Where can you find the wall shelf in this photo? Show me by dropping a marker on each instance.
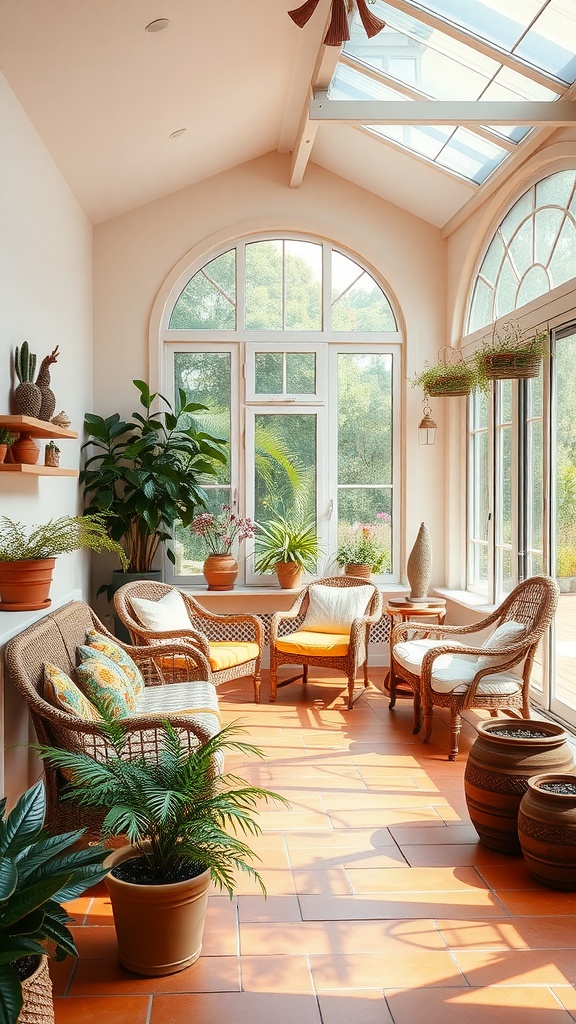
(40, 429)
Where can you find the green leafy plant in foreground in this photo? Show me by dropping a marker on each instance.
(38, 872)
(175, 809)
(20, 543)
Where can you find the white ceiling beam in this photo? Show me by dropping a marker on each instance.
(488, 49)
(324, 68)
(441, 112)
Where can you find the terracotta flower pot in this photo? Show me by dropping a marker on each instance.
(358, 569)
(159, 927)
(3, 450)
(25, 450)
(547, 829)
(505, 754)
(38, 1007)
(289, 575)
(220, 572)
(25, 585)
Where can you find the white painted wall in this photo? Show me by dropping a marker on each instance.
(46, 298)
(134, 253)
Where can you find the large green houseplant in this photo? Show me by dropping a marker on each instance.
(28, 555)
(38, 873)
(175, 809)
(287, 546)
(147, 471)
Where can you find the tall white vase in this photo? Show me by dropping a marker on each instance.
(419, 567)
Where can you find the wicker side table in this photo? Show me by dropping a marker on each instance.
(401, 610)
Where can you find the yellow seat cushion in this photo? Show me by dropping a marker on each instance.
(307, 642)
(224, 654)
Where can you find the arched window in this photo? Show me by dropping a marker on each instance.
(293, 347)
(532, 251)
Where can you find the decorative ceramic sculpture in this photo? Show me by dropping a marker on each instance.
(419, 567)
(61, 420)
(48, 403)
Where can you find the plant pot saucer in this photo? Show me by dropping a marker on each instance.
(23, 606)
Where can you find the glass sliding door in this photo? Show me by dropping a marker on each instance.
(563, 523)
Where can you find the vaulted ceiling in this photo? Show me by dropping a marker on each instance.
(420, 114)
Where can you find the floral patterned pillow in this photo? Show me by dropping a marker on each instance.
(62, 693)
(104, 682)
(102, 643)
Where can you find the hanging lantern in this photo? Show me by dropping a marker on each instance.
(427, 428)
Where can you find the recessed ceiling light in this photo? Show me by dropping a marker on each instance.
(177, 133)
(158, 25)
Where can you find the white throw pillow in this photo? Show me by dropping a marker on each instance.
(333, 609)
(503, 636)
(168, 613)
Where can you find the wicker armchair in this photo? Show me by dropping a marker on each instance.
(232, 644)
(307, 646)
(54, 638)
(458, 680)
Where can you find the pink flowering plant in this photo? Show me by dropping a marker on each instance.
(366, 544)
(220, 530)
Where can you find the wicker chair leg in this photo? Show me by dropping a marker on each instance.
(392, 686)
(455, 728)
(350, 693)
(304, 674)
(257, 688)
(273, 680)
(417, 713)
(428, 721)
(366, 680)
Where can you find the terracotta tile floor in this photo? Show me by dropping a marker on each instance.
(383, 908)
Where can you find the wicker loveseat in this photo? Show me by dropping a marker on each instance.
(191, 706)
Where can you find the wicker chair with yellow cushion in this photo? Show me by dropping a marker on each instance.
(444, 672)
(333, 618)
(232, 644)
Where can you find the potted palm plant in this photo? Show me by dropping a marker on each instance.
(38, 873)
(28, 555)
(174, 809)
(287, 546)
(147, 472)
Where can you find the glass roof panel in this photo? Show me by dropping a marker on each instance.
(547, 43)
(500, 21)
(427, 62)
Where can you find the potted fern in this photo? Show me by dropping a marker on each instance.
(288, 547)
(38, 873)
(28, 555)
(175, 809)
(448, 377)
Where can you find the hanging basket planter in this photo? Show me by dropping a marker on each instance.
(511, 356)
(451, 376)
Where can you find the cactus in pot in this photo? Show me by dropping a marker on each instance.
(27, 395)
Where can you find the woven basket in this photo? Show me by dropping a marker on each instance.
(450, 385)
(511, 365)
(38, 1007)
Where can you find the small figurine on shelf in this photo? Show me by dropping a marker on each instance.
(61, 420)
(48, 402)
(52, 455)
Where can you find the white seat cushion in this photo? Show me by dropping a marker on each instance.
(195, 697)
(452, 673)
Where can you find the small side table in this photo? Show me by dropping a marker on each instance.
(399, 609)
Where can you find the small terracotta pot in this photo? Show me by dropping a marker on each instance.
(38, 1007)
(497, 773)
(159, 927)
(220, 572)
(25, 585)
(358, 569)
(3, 450)
(25, 450)
(547, 830)
(289, 575)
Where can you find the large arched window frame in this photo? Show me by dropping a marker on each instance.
(521, 450)
(308, 340)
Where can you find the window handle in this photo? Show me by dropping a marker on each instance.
(330, 510)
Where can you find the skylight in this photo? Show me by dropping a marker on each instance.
(501, 50)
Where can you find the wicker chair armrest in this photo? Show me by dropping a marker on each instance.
(515, 652)
(233, 618)
(285, 616)
(402, 630)
(191, 636)
(150, 658)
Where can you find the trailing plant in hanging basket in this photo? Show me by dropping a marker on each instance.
(512, 354)
(448, 377)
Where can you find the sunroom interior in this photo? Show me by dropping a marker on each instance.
(211, 197)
